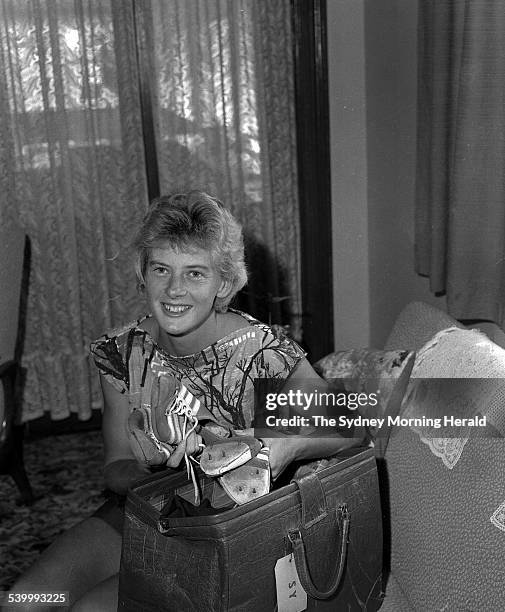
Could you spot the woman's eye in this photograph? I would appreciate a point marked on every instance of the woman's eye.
(195, 274)
(160, 270)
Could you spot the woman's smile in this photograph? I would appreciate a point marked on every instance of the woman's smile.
(176, 310)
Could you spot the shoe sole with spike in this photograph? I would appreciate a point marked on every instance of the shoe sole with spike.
(221, 457)
(249, 481)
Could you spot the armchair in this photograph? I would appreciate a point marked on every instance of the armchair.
(444, 498)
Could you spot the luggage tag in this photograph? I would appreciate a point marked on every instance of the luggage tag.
(290, 595)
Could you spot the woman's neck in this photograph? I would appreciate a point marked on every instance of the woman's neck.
(194, 340)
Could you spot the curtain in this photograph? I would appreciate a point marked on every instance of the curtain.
(72, 175)
(460, 209)
(223, 96)
(73, 171)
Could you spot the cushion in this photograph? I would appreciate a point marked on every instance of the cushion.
(458, 373)
(369, 370)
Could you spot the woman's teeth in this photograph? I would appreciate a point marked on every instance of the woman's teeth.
(175, 309)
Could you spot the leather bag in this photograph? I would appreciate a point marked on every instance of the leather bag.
(329, 520)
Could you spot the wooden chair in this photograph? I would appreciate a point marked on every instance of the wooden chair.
(14, 268)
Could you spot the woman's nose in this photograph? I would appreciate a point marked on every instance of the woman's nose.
(175, 286)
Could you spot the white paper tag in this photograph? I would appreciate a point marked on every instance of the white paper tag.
(290, 595)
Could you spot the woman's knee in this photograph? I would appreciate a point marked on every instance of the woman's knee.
(76, 561)
(102, 598)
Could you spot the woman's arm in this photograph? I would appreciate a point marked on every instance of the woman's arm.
(121, 469)
(284, 450)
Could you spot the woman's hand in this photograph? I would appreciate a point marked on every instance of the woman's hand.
(189, 446)
(283, 450)
(122, 474)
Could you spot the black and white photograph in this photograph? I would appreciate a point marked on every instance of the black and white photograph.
(252, 305)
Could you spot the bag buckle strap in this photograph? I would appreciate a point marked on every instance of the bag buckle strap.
(314, 507)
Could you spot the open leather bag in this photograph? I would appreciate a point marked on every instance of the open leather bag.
(330, 520)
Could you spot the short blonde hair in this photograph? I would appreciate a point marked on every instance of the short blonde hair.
(194, 219)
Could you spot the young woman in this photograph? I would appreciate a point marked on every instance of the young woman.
(189, 264)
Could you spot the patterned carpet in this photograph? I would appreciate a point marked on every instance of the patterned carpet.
(66, 474)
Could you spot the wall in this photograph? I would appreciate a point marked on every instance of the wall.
(346, 90)
(372, 90)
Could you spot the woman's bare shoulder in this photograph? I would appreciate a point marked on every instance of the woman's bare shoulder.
(231, 322)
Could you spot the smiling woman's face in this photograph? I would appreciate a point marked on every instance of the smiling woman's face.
(181, 287)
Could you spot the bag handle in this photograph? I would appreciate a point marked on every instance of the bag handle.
(295, 537)
(314, 509)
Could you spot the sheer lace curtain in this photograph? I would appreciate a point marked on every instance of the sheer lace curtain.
(73, 168)
(72, 175)
(223, 95)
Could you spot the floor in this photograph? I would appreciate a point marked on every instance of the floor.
(66, 474)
